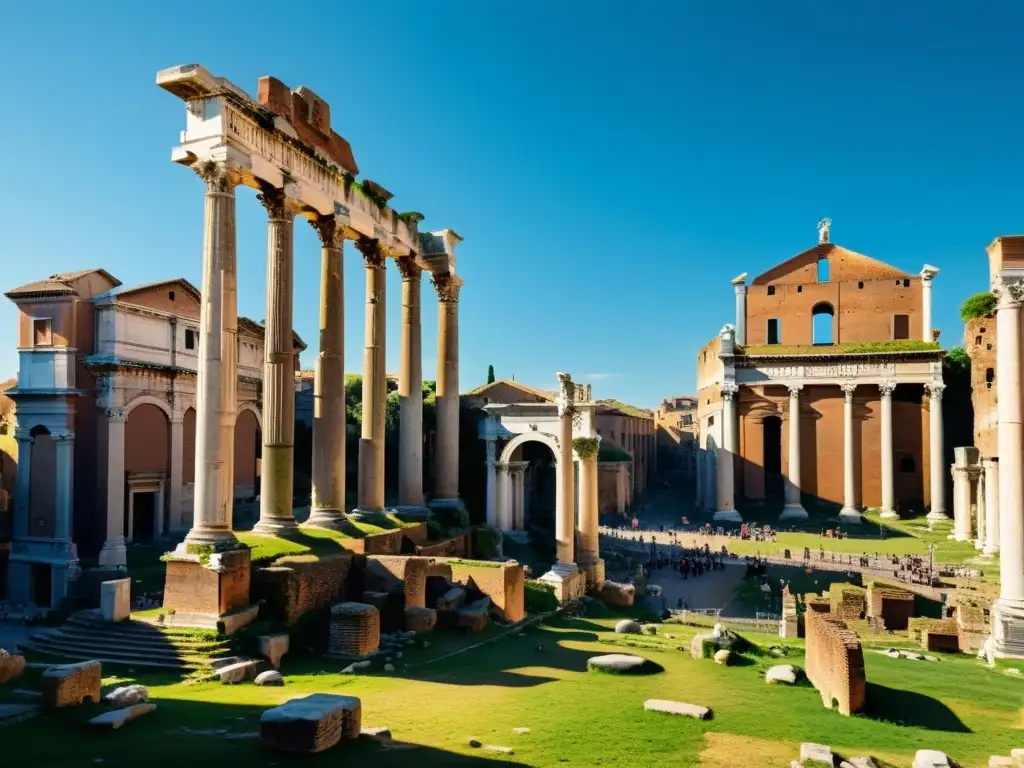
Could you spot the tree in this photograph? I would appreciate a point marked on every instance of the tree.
(490, 374)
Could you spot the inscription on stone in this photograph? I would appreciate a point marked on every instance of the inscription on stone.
(824, 371)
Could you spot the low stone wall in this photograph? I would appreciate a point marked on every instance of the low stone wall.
(193, 586)
(294, 586)
(456, 546)
(502, 582)
(789, 624)
(835, 663)
(391, 573)
(917, 627)
(893, 605)
(388, 542)
(847, 602)
(817, 604)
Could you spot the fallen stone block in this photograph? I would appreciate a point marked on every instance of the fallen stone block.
(311, 724)
(816, 753)
(931, 758)
(782, 673)
(451, 600)
(649, 629)
(620, 663)
(859, 762)
(618, 595)
(69, 685)
(270, 677)
(116, 600)
(378, 734)
(678, 708)
(722, 656)
(1000, 761)
(499, 750)
(627, 627)
(420, 619)
(232, 674)
(697, 645)
(127, 696)
(273, 647)
(115, 718)
(1018, 756)
(11, 666)
(473, 618)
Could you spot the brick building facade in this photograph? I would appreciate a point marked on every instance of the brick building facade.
(831, 360)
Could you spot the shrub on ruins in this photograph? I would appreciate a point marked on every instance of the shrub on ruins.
(539, 597)
(978, 305)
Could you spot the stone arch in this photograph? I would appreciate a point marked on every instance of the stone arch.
(247, 451)
(539, 437)
(135, 402)
(251, 408)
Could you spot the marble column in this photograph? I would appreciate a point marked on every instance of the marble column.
(961, 503)
(277, 480)
(726, 462)
(492, 483)
(1008, 610)
(113, 554)
(936, 448)
(446, 489)
(64, 451)
(371, 440)
(979, 542)
(849, 513)
(588, 545)
(519, 497)
(991, 470)
(794, 508)
(888, 493)
(216, 384)
(327, 508)
(410, 392)
(22, 490)
(927, 274)
(565, 485)
(177, 461)
(741, 309)
(502, 511)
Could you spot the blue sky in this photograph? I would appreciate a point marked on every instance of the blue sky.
(610, 165)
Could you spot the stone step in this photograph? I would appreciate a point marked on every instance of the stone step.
(156, 640)
(86, 650)
(110, 658)
(91, 620)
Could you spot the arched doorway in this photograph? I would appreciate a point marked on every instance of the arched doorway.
(247, 453)
(774, 484)
(538, 487)
(147, 465)
(822, 322)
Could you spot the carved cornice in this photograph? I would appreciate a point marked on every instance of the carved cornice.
(448, 288)
(408, 268)
(373, 255)
(329, 230)
(218, 176)
(886, 388)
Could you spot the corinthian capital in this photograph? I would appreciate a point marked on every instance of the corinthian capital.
(848, 388)
(275, 201)
(373, 254)
(330, 231)
(886, 388)
(729, 390)
(1009, 292)
(794, 389)
(935, 388)
(116, 415)
(218, 176)
(408, 268)
(448, 287)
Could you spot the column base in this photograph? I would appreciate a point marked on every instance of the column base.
(276, 526)
(219, 538)
(793, 512)
(569, 583)
(961, 536)
(850, 515)
(412, 511)
(727, 516)
(936, 515)
(1008, 629)
(887, 514)
(331, 519)
(114, 554)
(208, 588)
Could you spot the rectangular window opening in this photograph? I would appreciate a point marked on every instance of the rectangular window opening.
(900, 327)
(190, 339)
(774, 330)
(42, 332)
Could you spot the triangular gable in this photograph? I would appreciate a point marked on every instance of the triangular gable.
(844, 264)
(178, 282)
(496, 387)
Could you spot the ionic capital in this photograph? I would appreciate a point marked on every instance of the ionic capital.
(219, 177)
(330, 231)
(794, 390)
(373, 254)
(886, 388)
(935, 389)
(448, 287)
(729, 390)
(848, 388)
(1009, 292)
(408, 268)
(116, 415)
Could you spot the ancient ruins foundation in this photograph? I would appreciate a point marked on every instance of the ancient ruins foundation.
(893, 605)
(835, 663)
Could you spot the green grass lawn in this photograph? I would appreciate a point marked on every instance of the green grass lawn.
(539, 681)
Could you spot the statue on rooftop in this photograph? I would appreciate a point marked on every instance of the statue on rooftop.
(823, 227)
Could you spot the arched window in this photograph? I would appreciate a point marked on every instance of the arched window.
(771, 290)
(823, 270)
(821, 323)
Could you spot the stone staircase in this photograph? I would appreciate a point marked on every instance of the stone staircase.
(86, 636)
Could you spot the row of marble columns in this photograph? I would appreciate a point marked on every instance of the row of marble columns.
(215, 411)
(793, 508)
(977, 487)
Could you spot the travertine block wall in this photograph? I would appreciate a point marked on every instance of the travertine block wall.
(295, 585)
(502, 582)
(192, 587)
(835, 663)
(386, 573)
(457, 546)
(893, 605)
(847, 602)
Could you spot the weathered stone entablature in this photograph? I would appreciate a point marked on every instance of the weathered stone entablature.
(923, 367)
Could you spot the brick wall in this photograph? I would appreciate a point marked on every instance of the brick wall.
(980, 343)
(835, 663)
(893, 605)
(502, 582)
(457, 546)
(294, 586)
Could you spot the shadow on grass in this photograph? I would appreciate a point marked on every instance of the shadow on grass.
(203, 733)
(910, 708)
